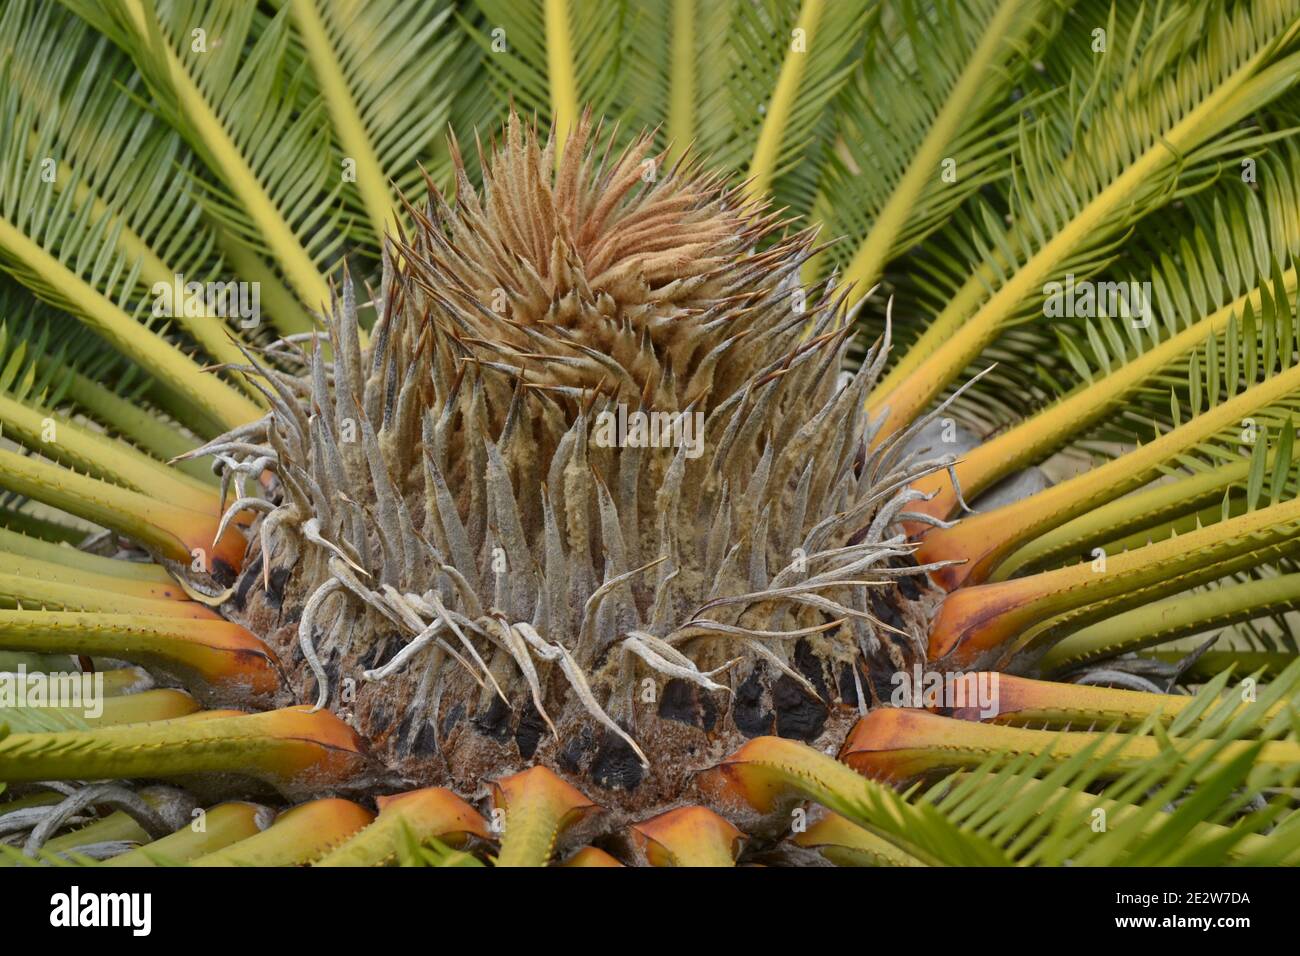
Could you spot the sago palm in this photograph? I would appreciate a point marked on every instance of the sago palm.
(674, 432)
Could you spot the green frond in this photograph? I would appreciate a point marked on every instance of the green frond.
(919, 134)
(1164, 621)
(77, 128)
(232, 92)
(1068, 213)
(1146, 815)
(1233, 260)
(289, 749)
(771, 772)
(814, 67)
(65, 237)
(554, 58)
(391, 93)
(222, 826)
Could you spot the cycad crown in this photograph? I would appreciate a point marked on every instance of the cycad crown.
(466, 518)
(579, 494)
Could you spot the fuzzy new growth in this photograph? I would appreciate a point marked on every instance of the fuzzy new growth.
(452, 532)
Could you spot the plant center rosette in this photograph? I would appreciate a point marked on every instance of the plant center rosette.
(597, 491)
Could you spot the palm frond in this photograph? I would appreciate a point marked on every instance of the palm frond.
(222, 76)
(391, 93)
(1069, 210)
(920, 133)
(65, 236)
